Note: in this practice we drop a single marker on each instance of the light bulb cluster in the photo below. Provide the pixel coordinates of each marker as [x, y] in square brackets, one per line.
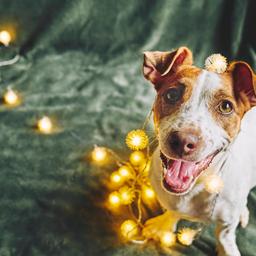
[130, 181]
[129, 185]
[131, 190]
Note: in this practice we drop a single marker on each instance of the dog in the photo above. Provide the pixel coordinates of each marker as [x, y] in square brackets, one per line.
[205, 124]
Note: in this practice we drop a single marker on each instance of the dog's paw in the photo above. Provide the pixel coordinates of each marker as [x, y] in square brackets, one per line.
[154, 227]
[244, 218]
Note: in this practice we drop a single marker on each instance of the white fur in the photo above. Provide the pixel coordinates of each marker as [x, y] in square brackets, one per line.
[195, 112]
[237, 167]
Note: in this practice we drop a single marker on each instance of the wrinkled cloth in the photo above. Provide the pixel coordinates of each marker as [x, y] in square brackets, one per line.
[81, 65]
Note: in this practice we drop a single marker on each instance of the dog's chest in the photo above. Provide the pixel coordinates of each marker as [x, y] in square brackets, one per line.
[197, 204]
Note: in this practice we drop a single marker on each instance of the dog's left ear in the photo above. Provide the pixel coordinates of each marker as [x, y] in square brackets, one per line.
[244, 82]
[157, 64]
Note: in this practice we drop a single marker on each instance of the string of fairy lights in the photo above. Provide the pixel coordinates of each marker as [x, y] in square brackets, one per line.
[12, 98]
[128, 184]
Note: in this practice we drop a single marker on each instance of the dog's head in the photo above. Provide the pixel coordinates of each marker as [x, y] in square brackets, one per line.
[197, 112]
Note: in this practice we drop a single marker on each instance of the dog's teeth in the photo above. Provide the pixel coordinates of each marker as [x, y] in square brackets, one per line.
[165, 171]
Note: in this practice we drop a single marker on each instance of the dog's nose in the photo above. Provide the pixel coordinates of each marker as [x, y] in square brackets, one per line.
[184, 142]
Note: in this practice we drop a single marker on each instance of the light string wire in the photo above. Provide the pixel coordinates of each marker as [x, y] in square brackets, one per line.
[10, 62]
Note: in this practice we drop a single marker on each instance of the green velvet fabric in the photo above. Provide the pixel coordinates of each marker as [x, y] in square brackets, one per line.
[81, 65]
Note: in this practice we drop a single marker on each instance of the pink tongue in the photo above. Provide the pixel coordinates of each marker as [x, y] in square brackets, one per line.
[179, 173]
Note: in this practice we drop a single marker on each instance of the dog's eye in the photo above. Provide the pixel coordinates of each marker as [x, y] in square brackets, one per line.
[174, 94]
[226, 107]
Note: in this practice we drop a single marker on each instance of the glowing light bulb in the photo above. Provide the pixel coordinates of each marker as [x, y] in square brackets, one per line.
[125, 171]
[116, 178]
[11, 98]
[44, 125]
[137, 158]
[213, 184]
[5, 37]
[114, 199]
[168, 239]
[186, 236]
[126, 195]
[137, 139]
[129, 229]
[99, 154]
[148, 192]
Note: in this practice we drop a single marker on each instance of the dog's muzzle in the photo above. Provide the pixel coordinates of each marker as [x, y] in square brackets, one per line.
[179, 175]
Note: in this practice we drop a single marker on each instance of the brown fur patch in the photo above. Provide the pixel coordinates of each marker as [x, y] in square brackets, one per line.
[185, 75]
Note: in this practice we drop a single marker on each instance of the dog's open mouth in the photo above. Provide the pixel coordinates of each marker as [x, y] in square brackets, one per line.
[180, 175]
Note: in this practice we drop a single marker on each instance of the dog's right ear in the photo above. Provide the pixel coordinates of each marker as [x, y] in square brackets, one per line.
[157, 64]
[244, 82]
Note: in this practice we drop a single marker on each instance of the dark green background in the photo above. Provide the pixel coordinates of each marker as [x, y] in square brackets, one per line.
[81, 65]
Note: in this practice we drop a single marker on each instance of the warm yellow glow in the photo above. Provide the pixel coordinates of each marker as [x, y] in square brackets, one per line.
[126, 195]
[99, 154]
[116, 178]
[114, 199]
[44, 125]
[129, 229]
[137, 139]
[148, 192]
[11, 98]
[186, 236]
[125, 171]
[213, 184]
[5, 37]
[137, 158]
[147, 168]
[168, 239]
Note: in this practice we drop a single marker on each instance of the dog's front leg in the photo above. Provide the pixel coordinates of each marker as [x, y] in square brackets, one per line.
[226, 239]
[154, 227]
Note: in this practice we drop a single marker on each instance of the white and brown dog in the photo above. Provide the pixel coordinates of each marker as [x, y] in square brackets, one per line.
[203, 125]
